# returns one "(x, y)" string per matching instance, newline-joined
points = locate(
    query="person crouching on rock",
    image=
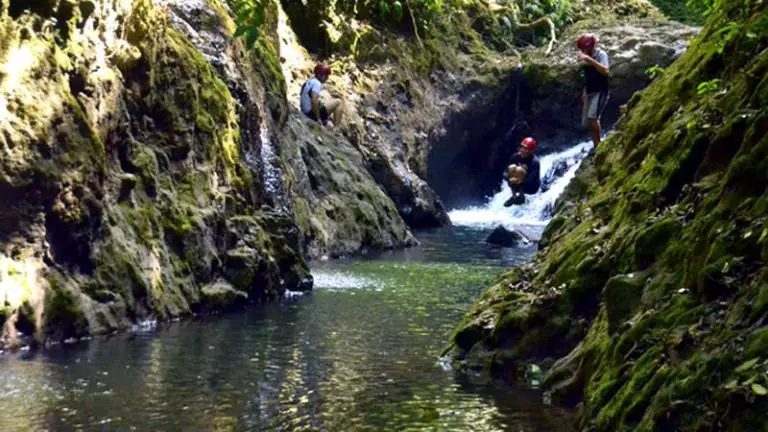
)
(522, 174)
(594, 96)
(310, 102)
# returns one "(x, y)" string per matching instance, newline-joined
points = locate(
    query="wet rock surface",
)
(501, 236)
(136, 192)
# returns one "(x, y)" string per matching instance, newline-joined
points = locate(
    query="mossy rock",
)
(26, 322)
(653, 240)
(62, 315)
(622, 296)
(221, 296)
(552, 228)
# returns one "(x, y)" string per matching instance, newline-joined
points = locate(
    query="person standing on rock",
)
(522, 174)
(594, 96)
(310, 102)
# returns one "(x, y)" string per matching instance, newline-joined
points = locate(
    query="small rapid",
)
(557, 170)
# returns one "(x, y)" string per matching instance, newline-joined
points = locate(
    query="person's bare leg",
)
(335, 108)
(595, 128)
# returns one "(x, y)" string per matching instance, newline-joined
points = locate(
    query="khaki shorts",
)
(594, 107)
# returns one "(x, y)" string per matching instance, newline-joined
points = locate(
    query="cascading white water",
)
(534, 211)
(273, 176)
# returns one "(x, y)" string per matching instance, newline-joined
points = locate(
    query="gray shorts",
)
(594, 107)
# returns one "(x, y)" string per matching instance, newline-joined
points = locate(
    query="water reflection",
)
(463, 244)
(358, 358)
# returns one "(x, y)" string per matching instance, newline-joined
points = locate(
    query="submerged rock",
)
(501, 236)
(221, 296)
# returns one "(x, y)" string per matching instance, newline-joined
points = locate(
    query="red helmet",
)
(586, 42)
(322, 69)
(529, 143)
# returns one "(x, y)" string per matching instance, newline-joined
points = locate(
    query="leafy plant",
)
(249, 17)
(703, 7)
(655, 71)
(707, 87)
(726, 33)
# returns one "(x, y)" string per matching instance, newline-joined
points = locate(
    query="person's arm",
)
(316, 105)
(601, 66)
(513, 161)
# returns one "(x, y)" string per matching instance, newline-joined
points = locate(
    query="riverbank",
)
(359, 351)
(157, 168)
(648, 295)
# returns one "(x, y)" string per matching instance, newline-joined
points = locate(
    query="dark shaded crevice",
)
(687, 170)
(467, 162)
(44, 8)
(723, 149)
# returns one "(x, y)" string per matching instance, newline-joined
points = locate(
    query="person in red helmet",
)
(522, 174)
(594, 95)
(310, 102)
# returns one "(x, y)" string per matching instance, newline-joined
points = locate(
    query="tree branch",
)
(413, 20)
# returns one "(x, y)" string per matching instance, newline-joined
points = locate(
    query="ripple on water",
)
(339, 280)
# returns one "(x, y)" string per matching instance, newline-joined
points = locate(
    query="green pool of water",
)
(358, 353)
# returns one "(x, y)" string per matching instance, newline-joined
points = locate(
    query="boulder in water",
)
(504, 237)
(558, 170)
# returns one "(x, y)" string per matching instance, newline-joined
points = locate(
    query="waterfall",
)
(557, 170)
(272, 174)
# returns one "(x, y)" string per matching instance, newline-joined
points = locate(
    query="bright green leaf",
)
(759, 389)
(747, 365)
(763, 235)
(383, 8)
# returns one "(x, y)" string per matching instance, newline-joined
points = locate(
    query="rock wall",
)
(633, 46)
(648, 302)
(544, 101)
(131, 187)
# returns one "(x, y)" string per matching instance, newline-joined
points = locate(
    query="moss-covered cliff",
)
(651, 285)
(154, 167)
(125, 176)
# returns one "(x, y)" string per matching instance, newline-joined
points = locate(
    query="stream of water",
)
(358, 353)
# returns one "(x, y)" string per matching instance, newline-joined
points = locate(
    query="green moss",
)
(758, 344)
(62, 315)
(761, 302)
(679, 193)
(622, 297)
(552, 228)
(653, 240)
(221, 297)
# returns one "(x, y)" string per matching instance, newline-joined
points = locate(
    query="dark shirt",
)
(532, 180)
(594, 81)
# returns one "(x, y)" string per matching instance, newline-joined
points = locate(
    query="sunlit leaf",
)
(759, 389)
(747, 365)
